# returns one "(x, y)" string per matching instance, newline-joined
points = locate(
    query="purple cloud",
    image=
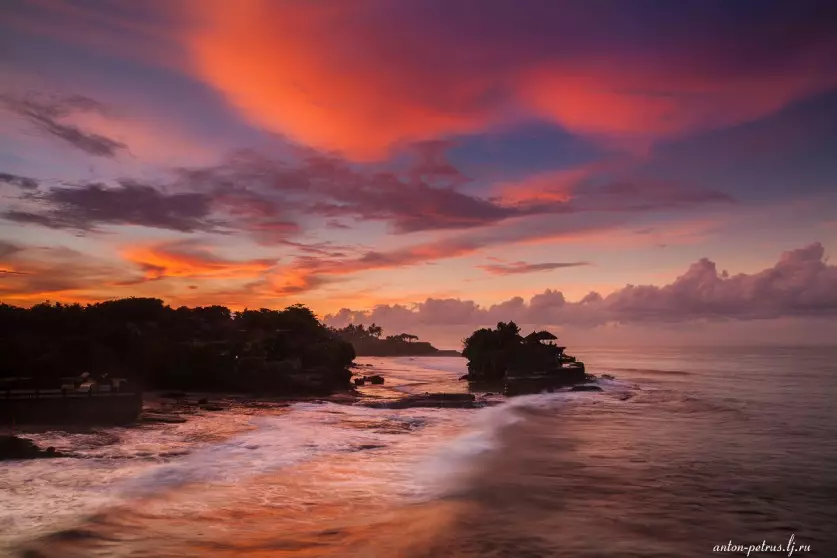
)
(22, 182)
(800, 284)
(86, 207)
(45, 115)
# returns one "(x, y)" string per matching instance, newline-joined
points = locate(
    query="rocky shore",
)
(14, 447)
(374, 386)
(438, 400)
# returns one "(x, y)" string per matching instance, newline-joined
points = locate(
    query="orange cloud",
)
(277, 64)
(337, 76)
(649, 103)
(182, 260)
(548, 187)
(363, 76)
(34, 274)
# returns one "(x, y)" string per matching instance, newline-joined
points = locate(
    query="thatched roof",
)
(538, 336)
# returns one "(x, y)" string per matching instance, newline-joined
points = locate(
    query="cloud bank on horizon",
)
(495, 159)
(800, 284)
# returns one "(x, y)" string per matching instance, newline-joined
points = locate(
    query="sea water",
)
(686, 450)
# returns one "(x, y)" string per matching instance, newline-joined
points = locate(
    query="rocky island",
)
(503, 359)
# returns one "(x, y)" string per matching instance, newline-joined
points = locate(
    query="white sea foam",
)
(417, 453)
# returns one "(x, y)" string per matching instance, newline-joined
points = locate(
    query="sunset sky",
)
(627, 169)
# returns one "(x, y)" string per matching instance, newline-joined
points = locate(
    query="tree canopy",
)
(491, 353)
(159, 347)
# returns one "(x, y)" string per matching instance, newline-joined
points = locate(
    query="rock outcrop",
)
(523, 365)
(447, 400)
(12, 447)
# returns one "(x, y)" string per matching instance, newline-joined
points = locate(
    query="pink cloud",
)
(800, 284)
(365, 77)
(188, 259)
(342, 80)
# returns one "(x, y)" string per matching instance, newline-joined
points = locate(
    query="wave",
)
(313, 452)
(448, 472)
(307, 431)
(653, 371)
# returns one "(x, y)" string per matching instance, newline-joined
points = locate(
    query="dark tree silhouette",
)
(368, 342)
(493, 353)
(158, 347)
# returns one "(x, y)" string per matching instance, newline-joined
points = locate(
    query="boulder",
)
(12, 447)
(360, 381)
(375, 379)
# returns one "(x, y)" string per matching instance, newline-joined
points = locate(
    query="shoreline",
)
(159, 408)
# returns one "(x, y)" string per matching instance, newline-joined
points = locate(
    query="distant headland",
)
(369, 341)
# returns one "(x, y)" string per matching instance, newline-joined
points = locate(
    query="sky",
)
(616, 170)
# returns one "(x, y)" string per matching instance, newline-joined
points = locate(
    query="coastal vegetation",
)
(369, 341)
(523, 364)
(157, 347)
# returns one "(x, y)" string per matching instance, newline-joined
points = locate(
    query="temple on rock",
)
(524, 364)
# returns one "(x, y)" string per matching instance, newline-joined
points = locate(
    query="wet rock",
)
(447, 400)
(152, 418)
(375, 379)
(12, 447)
(586, 387)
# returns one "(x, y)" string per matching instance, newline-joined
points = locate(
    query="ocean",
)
(686, 452)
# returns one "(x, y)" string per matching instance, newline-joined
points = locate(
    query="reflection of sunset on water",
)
(544, 474)
(212, 212)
